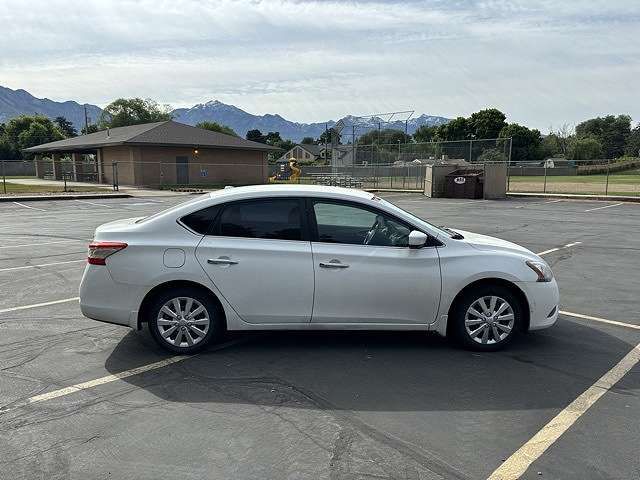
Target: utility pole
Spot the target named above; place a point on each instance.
(86, 120)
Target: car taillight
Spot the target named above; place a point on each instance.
(99, 251)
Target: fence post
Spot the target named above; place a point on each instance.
(4, 179)
(544, 190)
(114, 165)
(508, 174)
(606, 187)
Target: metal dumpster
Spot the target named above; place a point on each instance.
(464, 184)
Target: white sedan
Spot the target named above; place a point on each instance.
(310, 258)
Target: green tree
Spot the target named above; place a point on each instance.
(525, 142)
(492, 155)
(133, 111)
(66, 127)
(256, 136)
(633, 143)
(217, 127)
(28, 131)
(456, 129)
(326, 136)
(585, 148)
(386, 136)
(486, 123)
(308, 141)
(93, 128)
(611, 131)
(425, 134)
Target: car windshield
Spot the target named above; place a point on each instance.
(415, 219)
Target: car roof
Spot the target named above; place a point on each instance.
(253, 191)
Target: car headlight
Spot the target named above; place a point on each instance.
(542, 270)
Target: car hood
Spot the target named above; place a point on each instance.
(485, 242)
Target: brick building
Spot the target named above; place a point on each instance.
(155, 154)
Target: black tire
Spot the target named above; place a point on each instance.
(215, 328)
(458, 329)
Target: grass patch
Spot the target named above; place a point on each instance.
(16, 188)
(627, 178)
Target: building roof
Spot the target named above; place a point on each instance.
(167, 133)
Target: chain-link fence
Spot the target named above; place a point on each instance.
(586, 177)
(402, 166)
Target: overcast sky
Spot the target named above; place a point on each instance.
(543, 63)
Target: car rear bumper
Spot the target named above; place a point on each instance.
(544, 299)
(103, 299)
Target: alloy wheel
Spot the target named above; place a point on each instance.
(183, 322)
(489, 320)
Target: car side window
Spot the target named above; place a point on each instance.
(276, 219)
(350, 224)
(201, 221)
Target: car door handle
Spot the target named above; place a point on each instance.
(333, 264)
(221, 261)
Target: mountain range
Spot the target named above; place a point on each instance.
(20, 102)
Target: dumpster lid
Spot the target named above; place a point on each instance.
(465, 173)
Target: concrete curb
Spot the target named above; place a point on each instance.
(39, 198)
(573, 196)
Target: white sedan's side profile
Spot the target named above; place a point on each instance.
(305, 257)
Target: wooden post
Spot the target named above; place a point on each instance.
(55, 165)
(74, 165)
(36, 162)
(99, 164)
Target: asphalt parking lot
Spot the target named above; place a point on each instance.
(321, 405)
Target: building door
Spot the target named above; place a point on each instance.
(182, 170)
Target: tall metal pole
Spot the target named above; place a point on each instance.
(470, 150)
(606, 188)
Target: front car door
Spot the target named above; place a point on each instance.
(259, 259)
(365, 271)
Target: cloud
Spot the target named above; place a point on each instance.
(541, 62)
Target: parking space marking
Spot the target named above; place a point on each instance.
(27, 206)
(117, 376)
(36, 305)
(598, 319)
(138, 203)
(38, 244)
(94, 203)
(518, 463)
(551, 250)
(606, 206)
(25, 267)
(539, 203)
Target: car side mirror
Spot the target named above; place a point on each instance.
(417, 239)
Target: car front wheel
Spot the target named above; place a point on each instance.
(486, 318)
(184, 320)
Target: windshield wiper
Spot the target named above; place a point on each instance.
(454, 235)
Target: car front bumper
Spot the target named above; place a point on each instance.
(544, 299)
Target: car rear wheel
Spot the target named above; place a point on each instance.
(184, 320)
(486, 318)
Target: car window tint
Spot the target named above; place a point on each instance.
(339, 223)
(202, 220)
(274, 219)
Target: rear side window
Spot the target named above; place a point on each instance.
(201, 221)
(277, 219)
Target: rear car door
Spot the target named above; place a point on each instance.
(370, 275)
(259, 258)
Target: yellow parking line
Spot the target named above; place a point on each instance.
(518, 463)
(598, 319)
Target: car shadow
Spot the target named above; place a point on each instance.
(378, 371)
